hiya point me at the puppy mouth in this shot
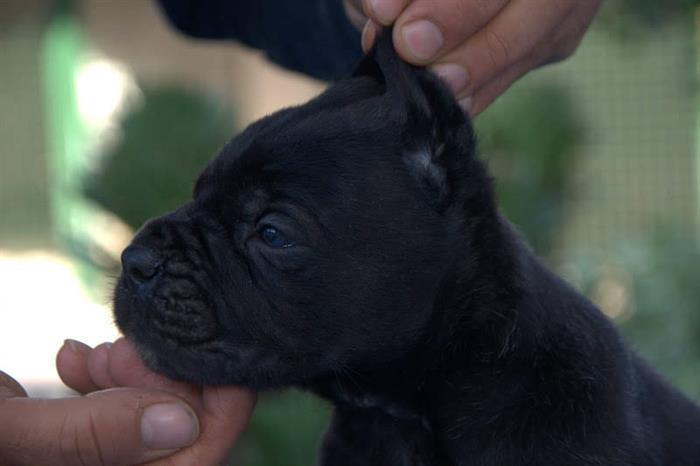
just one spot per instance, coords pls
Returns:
(176, 336)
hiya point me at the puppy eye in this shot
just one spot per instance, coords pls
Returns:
(274, 238)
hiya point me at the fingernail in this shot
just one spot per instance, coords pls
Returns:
(466, 104)
(369, 34)
(168, 426)
(423, 39)
(71, 344)
(455, 76)
(384, 10)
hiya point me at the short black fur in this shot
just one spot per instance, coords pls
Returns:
(352, 247)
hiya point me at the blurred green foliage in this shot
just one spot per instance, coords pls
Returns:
(285, 430)
(651, 285)
(164, 144)
(530, 140)
(649, 12)
(629, 18)
(663, 319)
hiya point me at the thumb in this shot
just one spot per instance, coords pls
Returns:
(116, 427)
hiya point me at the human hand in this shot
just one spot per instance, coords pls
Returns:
(478, 47)
(129, 415)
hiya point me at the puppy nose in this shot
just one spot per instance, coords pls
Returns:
(139, 263)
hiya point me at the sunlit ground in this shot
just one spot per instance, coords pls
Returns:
(42, 303)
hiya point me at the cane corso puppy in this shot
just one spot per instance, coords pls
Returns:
(352, 247)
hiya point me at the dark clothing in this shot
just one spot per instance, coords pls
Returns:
(310, 36)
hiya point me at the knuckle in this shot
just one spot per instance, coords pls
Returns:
(484, 6)
(78, 442)
(564, 5)
(463, 9)
(565, 51)
(567, 45)
(498, 50)
(572, 33)
(471, 14)
(66, 440)
(555, 55)
(95, 440)
(464, 17)
(558, 53)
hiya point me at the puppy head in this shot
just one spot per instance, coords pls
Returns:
(316, 240)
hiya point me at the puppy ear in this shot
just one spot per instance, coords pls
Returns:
(437, 139)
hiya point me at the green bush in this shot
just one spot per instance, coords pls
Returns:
(285, 430)
(164, 144)
(651, 287)
(529, 137)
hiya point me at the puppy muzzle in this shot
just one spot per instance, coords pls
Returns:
(162, 286)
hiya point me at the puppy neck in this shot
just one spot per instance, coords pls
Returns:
(469, 330)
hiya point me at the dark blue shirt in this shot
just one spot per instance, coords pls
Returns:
(310, 36)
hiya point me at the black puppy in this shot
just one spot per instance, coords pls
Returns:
(351, 246)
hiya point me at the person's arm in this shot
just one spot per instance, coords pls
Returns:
(313, 37)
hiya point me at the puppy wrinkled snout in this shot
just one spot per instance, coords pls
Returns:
(140, 264)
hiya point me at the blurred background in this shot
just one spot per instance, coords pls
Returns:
(107, 115)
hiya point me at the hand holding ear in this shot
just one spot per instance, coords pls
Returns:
(478, 47)
(129, 415)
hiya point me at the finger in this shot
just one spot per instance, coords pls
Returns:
(369, 35)
(226, 412)
(510, 38)
(427, 29)
(569, 34)
(384, 12)
(477, 103)
(9, 387)
(98, 366)
(221, 402)
(483, 97)
(71, 364)
(117, 427)
(561, 43)
(127, 369)
(223, 411)
(353, 10)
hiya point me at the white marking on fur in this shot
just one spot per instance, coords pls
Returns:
(421, 163)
